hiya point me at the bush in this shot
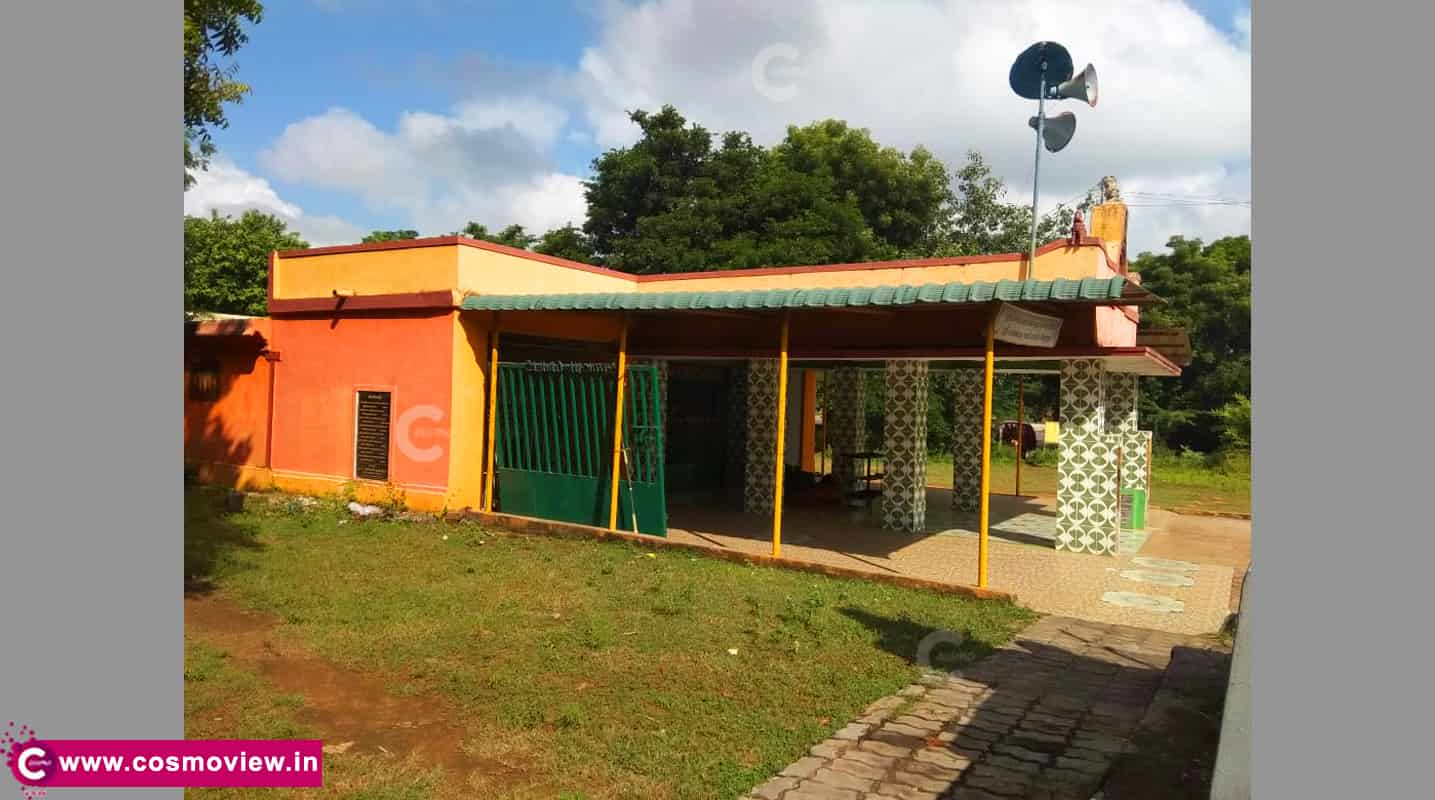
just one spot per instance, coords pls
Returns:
(1235, 418)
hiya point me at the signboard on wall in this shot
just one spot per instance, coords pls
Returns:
(371, 435)
(1019, 326)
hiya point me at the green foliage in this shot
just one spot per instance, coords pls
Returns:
(212, 29)
(226, 261)
(674, 201)
(677, 200)
(982, 222)
(567, 242)
(389, 236)
(512, 236)
(1208, 289)
(1236, 424)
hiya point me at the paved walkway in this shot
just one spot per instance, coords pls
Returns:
(1058, 713)
(1188, 598)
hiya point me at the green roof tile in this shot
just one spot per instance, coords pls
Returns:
(1108, 290)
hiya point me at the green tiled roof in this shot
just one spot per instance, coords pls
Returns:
(1114, 291)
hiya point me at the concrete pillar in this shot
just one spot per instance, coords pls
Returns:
(966, 417)
(847, 423)
(904, 437)
(759, 471)
(1087, 493)
(1122, 391)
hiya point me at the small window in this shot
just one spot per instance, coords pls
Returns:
(204, 383)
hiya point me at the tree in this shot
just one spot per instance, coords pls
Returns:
(389, 236)
(212, 29)
(513, 235)
(1208, 292)
(982, 222)
(567, 242)
(900, 196)
(827, 193)
(226, 261)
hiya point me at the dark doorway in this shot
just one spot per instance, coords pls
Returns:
(698, 407)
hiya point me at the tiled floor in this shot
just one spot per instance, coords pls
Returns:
(1021, 559)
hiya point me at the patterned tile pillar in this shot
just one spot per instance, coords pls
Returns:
(1086, 492)
(759, 471)
(966, 416)
(1122, 391)
(847, 426)
(904, 445)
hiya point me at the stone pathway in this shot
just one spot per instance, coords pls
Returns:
(1047, 716)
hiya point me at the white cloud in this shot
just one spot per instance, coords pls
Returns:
(1174, 115)
(1175, 91)
(1156, 214)
(230, 190)
(486, 161)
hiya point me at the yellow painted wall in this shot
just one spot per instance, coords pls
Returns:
(415, 498)
(367, 272)
(1066, 262)
(472, 270)
(487, 272)
(1108, 223)
(468, 423)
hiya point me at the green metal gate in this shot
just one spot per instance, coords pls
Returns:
(555, 444)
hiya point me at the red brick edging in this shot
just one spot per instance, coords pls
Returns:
(547, 527)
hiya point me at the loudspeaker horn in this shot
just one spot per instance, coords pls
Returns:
(1057, 131)
(1082, 86)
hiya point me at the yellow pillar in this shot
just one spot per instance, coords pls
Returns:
(986, 456)
(618, 426)
(492, 415)
(1019, 431)
(781, 435)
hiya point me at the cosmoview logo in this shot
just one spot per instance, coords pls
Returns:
(406, 423)
(762, 71)
(35, 763)
(30, 760)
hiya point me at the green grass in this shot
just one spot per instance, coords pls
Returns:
(606, 664)
(1178, 481)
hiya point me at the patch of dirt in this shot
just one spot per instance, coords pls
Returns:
(1204, 540)
(347, 706)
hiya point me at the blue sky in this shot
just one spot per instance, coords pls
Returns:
(368, 114)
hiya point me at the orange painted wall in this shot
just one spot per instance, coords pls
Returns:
(231, 429)
(324, 361)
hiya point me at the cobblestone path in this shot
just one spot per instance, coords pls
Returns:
(1047, 716)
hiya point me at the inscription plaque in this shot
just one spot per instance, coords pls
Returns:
(371, 436)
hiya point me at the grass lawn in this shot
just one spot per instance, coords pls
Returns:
(603, 667)
(1175, 485)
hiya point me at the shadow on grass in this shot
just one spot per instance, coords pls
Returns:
(904, 638)
(210, 535)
